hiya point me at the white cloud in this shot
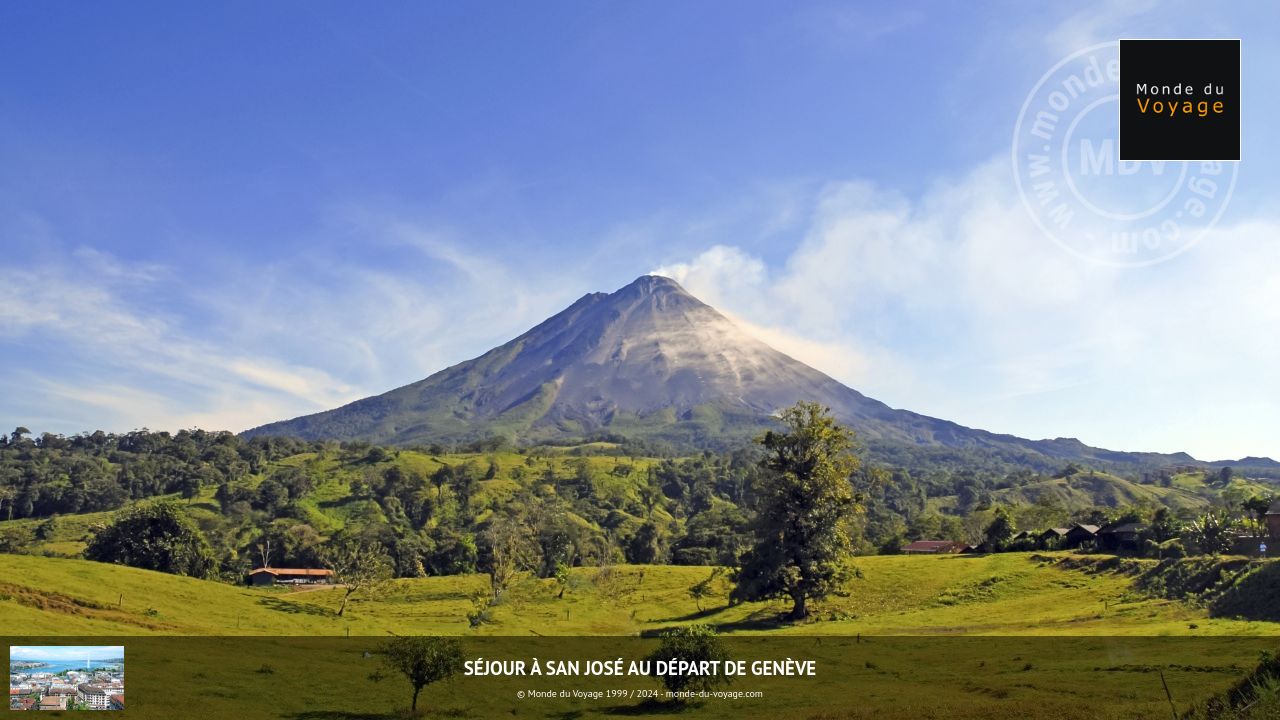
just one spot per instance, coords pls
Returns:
(956, 305)
(721, 268)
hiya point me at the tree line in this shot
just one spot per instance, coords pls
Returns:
(710, 509)
(52, 474)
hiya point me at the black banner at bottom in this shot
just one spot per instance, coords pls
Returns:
(306, 678)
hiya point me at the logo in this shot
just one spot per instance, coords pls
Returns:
(1066, 162)
(1180, 99)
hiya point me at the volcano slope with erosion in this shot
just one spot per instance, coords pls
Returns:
(652, 362)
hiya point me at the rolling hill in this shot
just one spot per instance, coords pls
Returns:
(1005, 594)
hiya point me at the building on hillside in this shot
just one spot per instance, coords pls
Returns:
(1079, 535)
(934, 547)
(117, 702)
(1052, 538)
(22, 703)
(53, 702)
(93, 696)
(290, 576)
(1124, 536)
(1273, 521)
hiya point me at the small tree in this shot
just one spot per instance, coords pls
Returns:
(1211, 533)
(1225, 475)
(47, 529)
(651, 497)
(702, 588)
(998, 534)
(7, 495)
(1164, 526)
(1257, 507)
(649, 545)
(361, 567)
(423, 660)
(440, 478)
(693, 643)
(18, 432)
(806, 502)
(508, 549)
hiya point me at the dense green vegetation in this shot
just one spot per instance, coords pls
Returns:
(153, 536)
(56, 475)
(444, 511)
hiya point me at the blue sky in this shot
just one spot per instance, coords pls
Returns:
(227, 215)
(53, 653)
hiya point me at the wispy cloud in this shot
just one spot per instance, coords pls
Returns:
(91, 323)
(117, 345)
(953, 303)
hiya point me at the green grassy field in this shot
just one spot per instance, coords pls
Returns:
(1013, 635)
(1007, 594)
(893, 678)
(1034, 635)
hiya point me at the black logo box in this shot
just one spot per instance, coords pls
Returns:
(1155, 74)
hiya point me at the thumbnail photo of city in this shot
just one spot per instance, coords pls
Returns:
(66, 677)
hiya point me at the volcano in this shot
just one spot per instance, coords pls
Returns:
(649, 361)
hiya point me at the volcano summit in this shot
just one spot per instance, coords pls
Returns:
(649, 361)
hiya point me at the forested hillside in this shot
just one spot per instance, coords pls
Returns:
(441, 511)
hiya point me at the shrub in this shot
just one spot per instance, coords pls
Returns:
(694, 643)
(1174, 548)
(1151, 549)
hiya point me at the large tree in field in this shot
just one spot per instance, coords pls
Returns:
(805, 502)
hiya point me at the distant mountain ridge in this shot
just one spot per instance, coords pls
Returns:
(649, 361)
